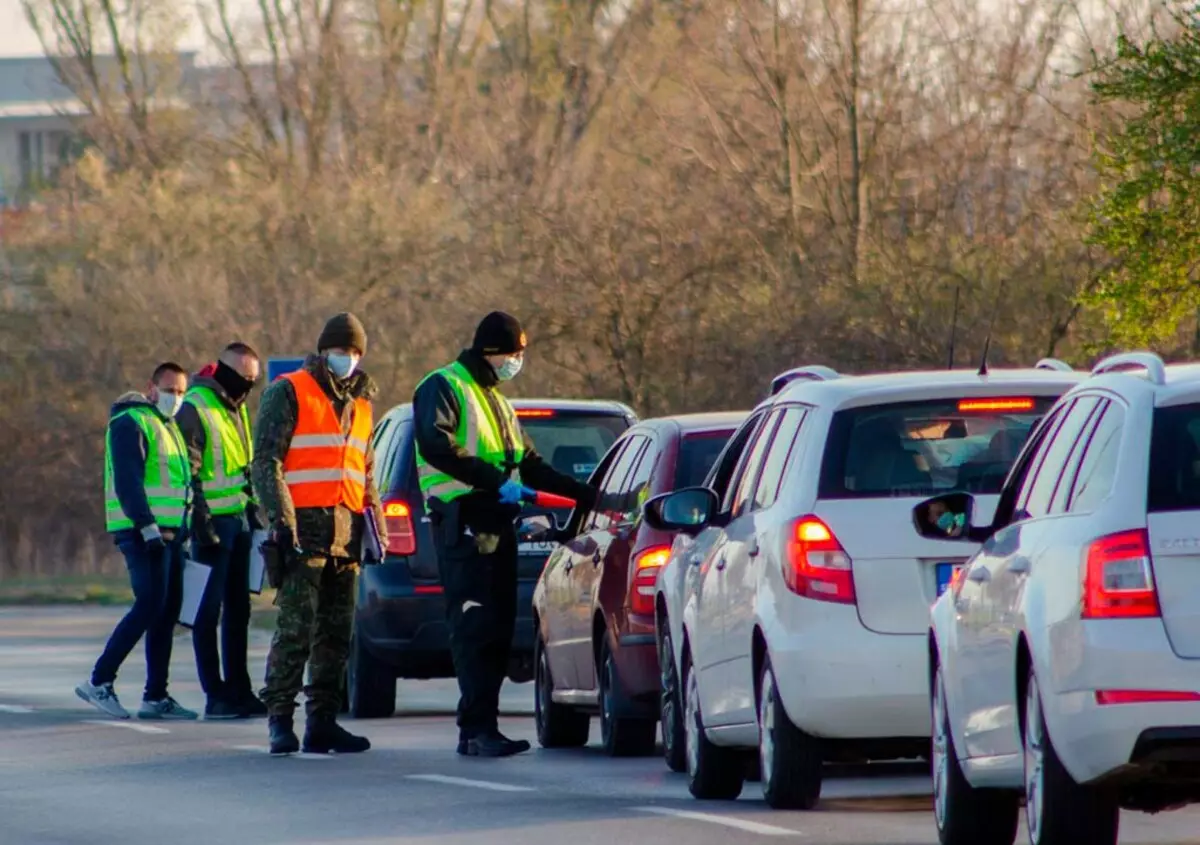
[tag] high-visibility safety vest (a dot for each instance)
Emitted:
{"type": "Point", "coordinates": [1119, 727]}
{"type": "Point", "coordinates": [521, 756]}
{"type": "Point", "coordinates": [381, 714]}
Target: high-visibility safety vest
{"type": "Point", "coordinates": [324, 468]}
{"type": "Point", "coordinates": [226, 453]}
{"type": "Point", "coordinates": [168, 474]}
{"type": "Point", "coordinates": [479, 433]}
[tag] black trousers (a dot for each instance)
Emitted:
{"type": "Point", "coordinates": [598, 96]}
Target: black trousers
{"type": "Point", "coordinates": [481, 609]}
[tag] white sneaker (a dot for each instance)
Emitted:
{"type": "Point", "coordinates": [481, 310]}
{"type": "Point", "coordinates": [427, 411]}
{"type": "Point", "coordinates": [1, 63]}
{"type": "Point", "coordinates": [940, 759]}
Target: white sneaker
{"type": "Point", "coordinates": [103, 698]}
{"type": "Point", "coordinates": [168, 708]}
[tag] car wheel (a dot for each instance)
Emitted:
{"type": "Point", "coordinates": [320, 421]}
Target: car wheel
{"type": "Point", "coordinates": [713, 772]}
{"type": "Point", "coordinates": [789, 759]}
{"type": "Point", "coordinates": [1059, 811]}
{"type": "Point", "coordinates": [670, 710]}
{"type": "Point", "coordinates": [371, 684]}
{"type": "Point", "coordinates": [963, 814]}
{"type": "Point", "coordinates": [558, 726]}
{"type": "Point", "coordinates": [620, 737]}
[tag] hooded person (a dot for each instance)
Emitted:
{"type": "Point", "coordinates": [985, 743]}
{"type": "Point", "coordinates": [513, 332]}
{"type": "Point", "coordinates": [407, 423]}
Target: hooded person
{"type": "Point", "coordinates": [147, 486]}
{"type": "Point", "coordinates": [313, 475]}
{"type": "Point", "coordinates": [216, 427]}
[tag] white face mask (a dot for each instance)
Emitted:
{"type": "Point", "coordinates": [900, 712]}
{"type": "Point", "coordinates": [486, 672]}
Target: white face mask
{"type": "Point", "coordinates": [341, 365]}
{"type": "Point", "coordinates": [169, 404]}
{"type": "Point", "coordinates": [509, 369]}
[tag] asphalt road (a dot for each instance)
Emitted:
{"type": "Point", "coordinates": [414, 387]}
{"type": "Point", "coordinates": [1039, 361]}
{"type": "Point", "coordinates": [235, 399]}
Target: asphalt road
{"type": "Point", "coordinates": [69, 775]}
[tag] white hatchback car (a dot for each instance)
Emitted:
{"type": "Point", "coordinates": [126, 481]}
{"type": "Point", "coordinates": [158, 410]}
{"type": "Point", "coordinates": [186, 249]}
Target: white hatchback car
{"type": "Point", "coordinates": [795, 617]}
{"type": "Point", "coordinates": [1065, 658]}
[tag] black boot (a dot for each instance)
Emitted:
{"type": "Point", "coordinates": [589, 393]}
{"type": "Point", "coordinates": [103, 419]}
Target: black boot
{"type": "Point", "coordinates": [283, 735]}
{"type": "Point", "coordinates": [495, 744]}
{"type": "Point", "coordinates": [324, 735]}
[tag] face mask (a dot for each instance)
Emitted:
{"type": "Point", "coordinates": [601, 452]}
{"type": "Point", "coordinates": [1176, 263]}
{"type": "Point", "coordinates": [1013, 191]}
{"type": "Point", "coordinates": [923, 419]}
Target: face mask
{"type": "Point", "coordinates": [235, 384]}
{"type": "Point", "coordinates": [341, 365]}
{"type": "Point", "coordinates": [509, 368]}
{"type": "Point", "coordinates": [169, 404]}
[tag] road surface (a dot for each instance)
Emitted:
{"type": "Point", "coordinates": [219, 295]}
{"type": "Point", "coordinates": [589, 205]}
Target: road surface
{"type": "Point", "coordinates": [69, 775]}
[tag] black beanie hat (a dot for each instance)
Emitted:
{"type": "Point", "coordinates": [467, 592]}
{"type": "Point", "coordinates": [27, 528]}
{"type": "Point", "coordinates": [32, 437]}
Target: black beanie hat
{"type": "Point", "coordinates": [343, 330]}
{"type": "Point", "coordinates": [499, 334]}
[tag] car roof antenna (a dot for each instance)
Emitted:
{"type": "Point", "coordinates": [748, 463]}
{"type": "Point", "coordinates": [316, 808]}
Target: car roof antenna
{"type": "Point", "coordinates": [987, 342]}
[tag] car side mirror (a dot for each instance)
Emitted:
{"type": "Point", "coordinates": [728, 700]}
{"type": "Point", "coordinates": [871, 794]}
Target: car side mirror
{"type": "Point", "coordinates": [946, 517]}
{"type": "Point", "coordinates": [689, 510]}
{"type": "Point", "coordinates": [537, 527]}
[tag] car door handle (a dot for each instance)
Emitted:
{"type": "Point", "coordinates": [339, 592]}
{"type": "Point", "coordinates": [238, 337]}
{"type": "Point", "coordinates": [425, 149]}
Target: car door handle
{"type": "Point", "coordinates": [596, 558]}
{"type": "Point", "coordinates": [569, 565]}
{"type": "Point", "coordinates": [979, 575]}
{"type": "Point", "coordinates": [721, 562]}
{"type": "Point", "coordinates": [1019, 566]}
{"type": "Point", "coordinates": [752, 547]}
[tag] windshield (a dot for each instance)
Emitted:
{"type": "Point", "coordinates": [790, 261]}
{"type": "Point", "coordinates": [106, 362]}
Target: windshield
{"type": "Point", "coordinates": [1175, 460]}
{"type": "Point", "coordinates": [697, 453]}
{"type": "Point", "coordinates": [923, 448]}
{"type": "Point", "coordinates": [573, 443]}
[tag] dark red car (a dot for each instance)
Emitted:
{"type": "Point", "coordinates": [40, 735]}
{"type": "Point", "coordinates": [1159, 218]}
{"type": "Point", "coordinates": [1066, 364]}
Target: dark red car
{"type": "Point", "coordinates": [593, 608]}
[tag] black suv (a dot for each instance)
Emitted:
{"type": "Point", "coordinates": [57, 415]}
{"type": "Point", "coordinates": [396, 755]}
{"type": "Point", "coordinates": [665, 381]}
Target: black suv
{"type": "Point", "coordinates": [400, 622]}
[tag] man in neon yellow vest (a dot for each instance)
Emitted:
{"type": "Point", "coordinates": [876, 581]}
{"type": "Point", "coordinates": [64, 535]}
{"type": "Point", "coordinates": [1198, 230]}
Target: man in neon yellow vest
{"type": "Point", "coordinates": [216, 428]}
{"type": "Point", "coordinates": [469, 445]}
{"type": "Point", "coordinates": [147, 484]}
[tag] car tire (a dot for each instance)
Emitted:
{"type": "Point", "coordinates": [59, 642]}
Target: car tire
{"type": "Point", "coordinates": [790, 760]}
{"type": "Point", "coordinates": [670, 705]}
{"type": "Point", "coordinates": [558, 726]}
{"type": "Point", "coordinates": [370, 683]}
{"type": "Point", "coordinates": [1059, 811]}
{"type": "Point", "coordinates": [963, 814]}
{"type": "Point", "coordinates": [714, 773]}
{"type": "Point", "coordinates": [620, 737]}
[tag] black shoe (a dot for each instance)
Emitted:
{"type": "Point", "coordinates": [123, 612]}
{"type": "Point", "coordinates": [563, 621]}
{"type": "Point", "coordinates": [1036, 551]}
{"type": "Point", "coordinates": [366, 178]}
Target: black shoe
{"type": "Point", "coordinates": [324, 735]}
{"type": "Point", "coordinates": [283, 736]}
{"type": "Point", "coordinates": [496, 745]}
{"type": "Point", "coordinates": [250, 707]}
{"type": "Point", "coordinates": [220, 709]}
{"type": "Point", "coordinates": [462, 746]}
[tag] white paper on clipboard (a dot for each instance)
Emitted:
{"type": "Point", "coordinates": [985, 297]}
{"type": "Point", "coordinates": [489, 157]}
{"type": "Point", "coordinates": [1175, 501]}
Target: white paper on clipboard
{"type": "Point", "coordinates": [258, 564]}
{"type": "Point", "coordinates": [195, 582]}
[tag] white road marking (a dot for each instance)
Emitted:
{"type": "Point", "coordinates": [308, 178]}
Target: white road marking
{"type": "Point", "coordinates": [14, 708]}
{"type": "Point", "coordinates": [740, 824]}
{"type": "Point", "coordinates": [133, 726]}
{"type": "Point", "coordinates": [480, 784]}
{"type": "Point", "coordinates": [263, 749]}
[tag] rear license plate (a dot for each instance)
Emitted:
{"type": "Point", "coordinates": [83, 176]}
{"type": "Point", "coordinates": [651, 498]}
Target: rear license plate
{"type": "Point", "coordinates": [543, 548]}
{"type": "Point", "coordinates": [945, 571]}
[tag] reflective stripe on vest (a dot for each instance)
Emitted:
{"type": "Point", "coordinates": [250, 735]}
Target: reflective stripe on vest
{"type": "Point", "coordinates": [227, 455]}
{"type": "Point", "coordinates": [479, 433]}
{"type": "Point", "coordinates": [323, 467]}
{"type": "Point", "coordinates": [168, 475]}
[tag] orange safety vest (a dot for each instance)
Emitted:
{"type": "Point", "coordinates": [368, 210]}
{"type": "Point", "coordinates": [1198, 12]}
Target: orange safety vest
{"type": "Point", "coordinates": [323, 467]}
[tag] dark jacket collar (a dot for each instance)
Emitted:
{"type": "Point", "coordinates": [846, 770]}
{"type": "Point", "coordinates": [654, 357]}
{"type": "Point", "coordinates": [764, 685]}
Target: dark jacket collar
{"type": "Point", "coordinates": [479, 368]}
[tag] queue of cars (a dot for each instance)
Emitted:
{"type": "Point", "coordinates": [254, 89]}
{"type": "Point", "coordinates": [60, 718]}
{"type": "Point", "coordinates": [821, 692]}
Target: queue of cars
{"type": "Point", "coordinates": [996, 571]}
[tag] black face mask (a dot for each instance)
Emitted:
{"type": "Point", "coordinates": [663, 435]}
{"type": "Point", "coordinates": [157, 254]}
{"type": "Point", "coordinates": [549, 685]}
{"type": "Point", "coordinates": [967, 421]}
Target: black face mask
{"type": "Point", "coordinates": [235, 385]}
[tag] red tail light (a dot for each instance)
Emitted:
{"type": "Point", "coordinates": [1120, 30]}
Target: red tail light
{"type": "Point", "coordinates": [525, 413]}
{"type": "Point", "coordinates": [402, 539]}
{"type": "Point", "coordinates": [1134, 696]}
{"type": "Point", "coordinates": [1119, 581]}
{"type": "Point", "coordinates": [645, 577]}
{"type": "Point", "coordinates": [993, 405]}
{"type": "Point", "coordinates": [817, 567]}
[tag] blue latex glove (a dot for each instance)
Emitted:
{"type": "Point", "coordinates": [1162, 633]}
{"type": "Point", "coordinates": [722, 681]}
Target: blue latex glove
{"type": "Point", "coordinates": [949, 522]}
{"type": "Point", "coordinates": [512, 493]}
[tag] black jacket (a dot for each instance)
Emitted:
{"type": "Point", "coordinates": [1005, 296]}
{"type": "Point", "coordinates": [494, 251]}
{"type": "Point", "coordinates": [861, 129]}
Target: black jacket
{"type": "Point", "coordinates": [436, 414]}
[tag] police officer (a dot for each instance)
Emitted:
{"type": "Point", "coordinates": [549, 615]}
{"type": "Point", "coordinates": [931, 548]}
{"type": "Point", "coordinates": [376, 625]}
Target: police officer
{"type": "Point", "coordinates": [469, 444]}
{"type": "Point", "coordinates": [314, 475]}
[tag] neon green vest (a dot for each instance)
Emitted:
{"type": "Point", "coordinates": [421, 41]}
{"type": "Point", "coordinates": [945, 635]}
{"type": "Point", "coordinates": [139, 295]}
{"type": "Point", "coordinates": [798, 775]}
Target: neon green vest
{"type": "Point", "coordinates": [226, 454]}
{"type": "Point", "coordinates": [168, 475]}
{"type": "Point", "coordinates": [479, 433]}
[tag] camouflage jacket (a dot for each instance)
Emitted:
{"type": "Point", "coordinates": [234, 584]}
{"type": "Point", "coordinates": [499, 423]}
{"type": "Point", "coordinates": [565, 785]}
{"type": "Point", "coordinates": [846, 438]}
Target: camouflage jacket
{"type": "Point", "coordinates": [334, 532]}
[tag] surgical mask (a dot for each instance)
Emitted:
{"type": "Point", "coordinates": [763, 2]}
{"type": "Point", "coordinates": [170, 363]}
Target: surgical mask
{"type": "Point", "coordinates": [509, 369]}
{"type": "Point", "coordinates": [169, 404]}
{"type": "Point", "coordinates": [341, 365]}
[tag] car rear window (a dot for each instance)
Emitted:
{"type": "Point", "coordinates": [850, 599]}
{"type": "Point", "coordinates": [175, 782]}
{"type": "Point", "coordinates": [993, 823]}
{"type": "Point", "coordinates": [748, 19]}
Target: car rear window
{"type": "Point", "coordinates": [572, 443]}
{"type": "Point", "coordinates": [922, 448]}
{"type": "Point", "coordinates": [1174, 483]}
{"type": "Point", "coordinates": [697, 453]}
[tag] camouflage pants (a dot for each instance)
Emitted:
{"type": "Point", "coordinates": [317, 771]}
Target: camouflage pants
{"type": "Point", "coordinates": [316, 617]}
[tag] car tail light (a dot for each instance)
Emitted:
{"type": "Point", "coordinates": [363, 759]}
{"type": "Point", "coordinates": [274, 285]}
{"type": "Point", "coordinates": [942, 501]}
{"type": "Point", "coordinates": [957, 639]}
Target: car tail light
{"type": "Point", "coordinates": [817, 567]}
{"type": "Point", "coordinates": [402, 539]}
{"type": "Point", "coordinates": [1007, 403]}
{"type": "Point", "coordinates": [1134, 696]}
{"type": "Point", "coordinates": [956, 579]}
{"type": "Point", "coordinates": [535, 412]}
{"type": "Point", "coordinates": [645, 577]}
{"type": "Point", "coordinates": [1119, 581]}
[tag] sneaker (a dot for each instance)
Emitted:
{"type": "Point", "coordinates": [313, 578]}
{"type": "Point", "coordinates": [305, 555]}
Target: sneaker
{"type": "Point", "coordinates": [103, 697]}
{"type": "Point", "coordinates": [220, 709]}
{"type": "Point", "coordinates": [167, 709]}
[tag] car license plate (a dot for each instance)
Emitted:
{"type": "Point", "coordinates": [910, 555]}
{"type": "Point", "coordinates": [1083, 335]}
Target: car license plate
{"type": "Point", "coordinates": [528, 548]}
{"type": "Point", "coordinates": [945, 572]}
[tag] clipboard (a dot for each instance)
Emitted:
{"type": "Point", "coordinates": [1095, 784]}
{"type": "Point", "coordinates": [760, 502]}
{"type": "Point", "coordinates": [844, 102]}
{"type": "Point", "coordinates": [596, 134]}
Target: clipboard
{"type": "Point", "coordinates": [371, 551]}
{"type": "Point", "coordinates": [195, 583]}
{"type": "Point", "coordinates": [258, 563]}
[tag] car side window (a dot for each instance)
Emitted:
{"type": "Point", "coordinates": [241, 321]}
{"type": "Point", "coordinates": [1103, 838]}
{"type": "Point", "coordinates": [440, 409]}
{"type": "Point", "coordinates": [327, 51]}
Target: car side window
{"type": "Point", "coordinates": [748, 476]}
{"type": "Point", "coordinates": [1021, 511]}
{"type": "Point", "coordinates": [722, 473]}
{"type": "Point", "coordinates": [782, 447]}
{"type": "Point", "coordinates": [1054, 460]}
{"type": "Point", "coordinates": [1098, 469]}
{"type": "Point", "coordinates": [1066, 479]}
{"type": "Point", "coordinates": [637, 483]}
{"type": "Point", "coordinates": [740, 465]}
{"type": "Point", "coordinates": [384, 445]}
{"type": "Point", "coordinates": [615, 477]}
{"type": "Point", "coordinates": [1023, 469]}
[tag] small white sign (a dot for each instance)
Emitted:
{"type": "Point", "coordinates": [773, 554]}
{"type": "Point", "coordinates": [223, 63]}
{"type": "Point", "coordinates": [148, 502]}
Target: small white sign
{"type": "Point", "coordinates": [258, 565]}
{"type": "Point", "coordinates": [195, 582]}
